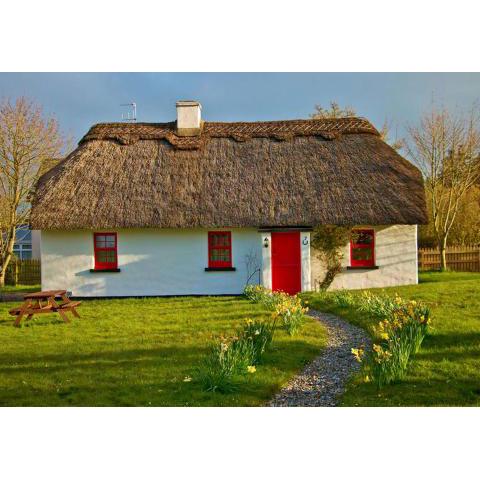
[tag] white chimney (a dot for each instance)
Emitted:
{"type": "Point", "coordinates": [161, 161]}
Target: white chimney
{"type": "Point", "coordinates": [189, 118]}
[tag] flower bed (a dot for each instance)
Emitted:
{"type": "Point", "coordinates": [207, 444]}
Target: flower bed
{"type": "Point", "coordinates": [236, 355]}
{"type": "Point", "coordinates": [289, 309]}
{"type": "Point", "coordinates": [240, 354]}
{"type": "Point", "coordinates": [400, 332]}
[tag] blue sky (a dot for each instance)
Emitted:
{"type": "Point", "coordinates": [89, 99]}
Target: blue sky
{"type": "Point", "coordinates": [81, 99]}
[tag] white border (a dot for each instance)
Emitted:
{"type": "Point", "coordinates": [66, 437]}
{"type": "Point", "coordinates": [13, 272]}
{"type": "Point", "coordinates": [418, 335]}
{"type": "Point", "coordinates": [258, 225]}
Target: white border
{"type": "Point", "coordinates": [372, 35]}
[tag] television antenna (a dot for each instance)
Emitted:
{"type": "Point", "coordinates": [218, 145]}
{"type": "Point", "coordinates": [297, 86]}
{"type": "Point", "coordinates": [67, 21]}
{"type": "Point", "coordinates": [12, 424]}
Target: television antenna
{"type": "Point", "coordinates": [131, 114]}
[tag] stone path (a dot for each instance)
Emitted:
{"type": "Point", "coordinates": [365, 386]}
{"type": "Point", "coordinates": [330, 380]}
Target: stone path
{"type": "Point", "coordinates": [323, 381]}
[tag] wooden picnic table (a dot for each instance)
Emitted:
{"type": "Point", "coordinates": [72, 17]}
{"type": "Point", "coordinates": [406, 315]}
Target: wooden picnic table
{"type": "Point", "coordinates": [45, 302]}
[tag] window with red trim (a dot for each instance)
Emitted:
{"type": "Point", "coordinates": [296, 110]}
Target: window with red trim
{"type": "Point", "coordinates": [362, 248]}
{"type": "Point", "coordinates": [105, 248]}
{"type": "Point", "coordinates": [219, 249]}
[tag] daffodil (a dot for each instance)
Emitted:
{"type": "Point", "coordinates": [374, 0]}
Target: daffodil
{"type": "Point", "coordinates": [251, 369]}
{"type": "Point", "coordinates": [358, 354]}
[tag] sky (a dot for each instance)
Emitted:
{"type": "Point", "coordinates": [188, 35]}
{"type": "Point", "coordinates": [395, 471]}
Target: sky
{"type": "Point", "coordinates": [79, 100]}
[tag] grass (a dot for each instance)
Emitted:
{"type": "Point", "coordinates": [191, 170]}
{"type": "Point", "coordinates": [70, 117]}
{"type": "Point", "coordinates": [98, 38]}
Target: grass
{"type": "Point", "coordinates": [19, 289]}
{"type": "Point", "coordinates": [446, 371]}
{"type": "Point", "coordinates": [138, 352]}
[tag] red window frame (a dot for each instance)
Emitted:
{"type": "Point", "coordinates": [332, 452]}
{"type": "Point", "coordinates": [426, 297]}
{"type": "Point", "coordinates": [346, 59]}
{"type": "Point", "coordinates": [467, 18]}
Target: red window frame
{"type": "Point", "coordinates": [356, 244]}
{"type": "Point", "coordinates": [213, 246]}
{"type": "Point", "coordinates": [102, 265]}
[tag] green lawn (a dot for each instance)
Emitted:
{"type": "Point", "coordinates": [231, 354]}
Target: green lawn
{"type": "Point", "coordinates": [446, 371]}
{"type": "Point", "coordinates": [138, 352]}
{"type": "Point", "coordinates": [19, 289]}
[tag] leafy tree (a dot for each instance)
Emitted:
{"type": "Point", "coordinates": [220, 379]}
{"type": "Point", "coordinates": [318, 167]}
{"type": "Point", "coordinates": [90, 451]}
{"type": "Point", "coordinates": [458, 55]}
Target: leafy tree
{"type": "Point", "coordinates": [466, 227]}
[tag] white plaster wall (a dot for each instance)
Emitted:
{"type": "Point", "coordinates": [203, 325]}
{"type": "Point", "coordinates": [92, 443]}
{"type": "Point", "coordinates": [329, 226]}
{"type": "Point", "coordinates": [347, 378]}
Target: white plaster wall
{"type": "Point", "coordinates": [152, 262]}
{"type": "Point", "coordinates": [395, 255]}
{"type": "Point", "coordinates": [36, 244]}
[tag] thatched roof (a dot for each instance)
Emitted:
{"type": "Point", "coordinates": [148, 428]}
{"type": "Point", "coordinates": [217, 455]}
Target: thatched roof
{"type": "Point", "coordinates": [299, 172]}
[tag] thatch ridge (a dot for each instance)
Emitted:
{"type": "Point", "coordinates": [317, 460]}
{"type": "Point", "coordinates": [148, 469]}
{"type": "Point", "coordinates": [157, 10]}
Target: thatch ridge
{"type": "Point", "coordinates": [327, 128]}
{"type": "Point", "coordinates": [353, 178]}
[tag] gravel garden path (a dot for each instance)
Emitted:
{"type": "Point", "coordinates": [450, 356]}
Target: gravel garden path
{"type": "Point", "coordinates": [323, 381]}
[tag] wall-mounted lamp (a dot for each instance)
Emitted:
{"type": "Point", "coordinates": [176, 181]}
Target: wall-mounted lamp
{"type": "Point", "coordinates": [305, 240]}
{"type": "Point", "coordinates": [265, 242]}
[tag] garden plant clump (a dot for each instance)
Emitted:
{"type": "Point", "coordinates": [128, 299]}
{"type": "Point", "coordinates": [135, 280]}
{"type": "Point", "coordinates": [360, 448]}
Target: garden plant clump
{"type": "Point", "coordinates": [399, 335]}
{"type": "Point", "coordinates": [342, 298]}
{"type": "Point", "coordinates": [236, 355]}
{"type": "Point", "coordinates": [287, 308]}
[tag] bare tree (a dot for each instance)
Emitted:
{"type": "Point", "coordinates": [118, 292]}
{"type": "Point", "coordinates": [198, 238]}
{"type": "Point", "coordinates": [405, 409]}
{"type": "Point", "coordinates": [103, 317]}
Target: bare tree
{"type": "Point", "coordinates": [252, 265]}
{"type": "Point", "coordinates": [27, 140]}
{"type": "Point", "coordinates": [394, 141]}
{"type": "Point", "coordinates": [335, 111]}
{"type": "Point", "coordinates": [446, 149]}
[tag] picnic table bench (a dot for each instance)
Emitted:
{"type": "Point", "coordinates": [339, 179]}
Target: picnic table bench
{"type": "Point", "coordinates": [45, 302]}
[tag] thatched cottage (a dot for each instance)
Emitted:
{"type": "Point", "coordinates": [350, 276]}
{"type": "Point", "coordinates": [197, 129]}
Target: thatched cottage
{"type": "Point", "coordinates": [193, 207]}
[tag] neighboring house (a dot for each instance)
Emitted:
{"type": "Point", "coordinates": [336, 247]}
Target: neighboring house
{"type": "Point", "coordinates": [27, 243]}
{"type": "Point", "coordinates": [193, 207]}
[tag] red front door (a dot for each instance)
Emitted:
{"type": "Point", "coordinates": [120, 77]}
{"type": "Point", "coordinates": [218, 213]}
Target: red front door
{"type": "Point", "coordinates": [286, 267]}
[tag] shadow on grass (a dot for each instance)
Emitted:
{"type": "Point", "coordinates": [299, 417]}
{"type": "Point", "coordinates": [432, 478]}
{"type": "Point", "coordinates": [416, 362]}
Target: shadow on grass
{"type": "Point", "coordinates": [435, 276]}
{"type": "Point", "coordinates": [68, 361]}
{"type": "Point", "coordinates": [451, 340]}
{"type": "Point", "coordinates": [415, 393]}
{"type": "Point", "coordinates": [141, 377]}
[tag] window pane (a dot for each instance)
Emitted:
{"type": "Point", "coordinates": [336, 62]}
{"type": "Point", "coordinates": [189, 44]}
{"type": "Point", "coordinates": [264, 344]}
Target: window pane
{"type": "Point", "coordinates": [100, 241]}
{"type": "Point", "coordinates": [102, 256]}
{"type": "Point", "coordinates": [110, 241]}
{"type": "Point", "coordinates": [26, 254]}
{"type": "Point", "coordinates": [220, 240]}
{"type": "Point", "coordinates": [220, 255]}
{"type": "Point", "coordinates": [361, 254]}
{"type": "Point", "coordinates": [362, 237]}
{"type": "Point", "coordinates": [23, 235]}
